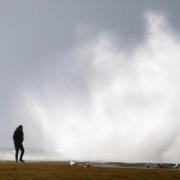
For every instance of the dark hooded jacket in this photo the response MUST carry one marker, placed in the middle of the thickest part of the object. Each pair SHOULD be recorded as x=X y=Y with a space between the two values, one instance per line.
x=18 y=135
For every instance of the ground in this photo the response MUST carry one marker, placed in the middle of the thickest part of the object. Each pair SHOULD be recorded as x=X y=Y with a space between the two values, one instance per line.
x=56 y=171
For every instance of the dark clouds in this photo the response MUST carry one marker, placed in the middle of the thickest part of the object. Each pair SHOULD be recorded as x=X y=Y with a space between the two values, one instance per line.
x=31 y=29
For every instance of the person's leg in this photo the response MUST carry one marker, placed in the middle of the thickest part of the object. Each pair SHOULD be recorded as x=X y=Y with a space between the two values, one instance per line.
x=17 y=152
x=22 y=153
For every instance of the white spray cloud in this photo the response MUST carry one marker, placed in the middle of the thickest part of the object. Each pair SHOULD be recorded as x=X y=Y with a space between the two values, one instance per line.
x=128 y=106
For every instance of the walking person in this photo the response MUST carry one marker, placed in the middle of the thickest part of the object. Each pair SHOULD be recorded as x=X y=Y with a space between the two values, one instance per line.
x=18 y=138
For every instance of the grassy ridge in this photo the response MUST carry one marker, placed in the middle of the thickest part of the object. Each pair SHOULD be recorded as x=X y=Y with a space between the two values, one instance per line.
x=56 y=171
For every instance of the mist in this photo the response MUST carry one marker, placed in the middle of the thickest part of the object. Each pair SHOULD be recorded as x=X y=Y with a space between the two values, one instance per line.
x=93 y=90
x=109 y=104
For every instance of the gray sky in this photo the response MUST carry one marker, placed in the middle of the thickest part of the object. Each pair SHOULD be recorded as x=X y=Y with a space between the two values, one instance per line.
x=61 y=59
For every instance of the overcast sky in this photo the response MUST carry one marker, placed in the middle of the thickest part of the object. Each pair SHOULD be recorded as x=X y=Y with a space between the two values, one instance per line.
x=85 y=76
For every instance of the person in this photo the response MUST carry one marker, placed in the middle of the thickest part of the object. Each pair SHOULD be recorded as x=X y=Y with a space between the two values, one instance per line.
x=18 y=137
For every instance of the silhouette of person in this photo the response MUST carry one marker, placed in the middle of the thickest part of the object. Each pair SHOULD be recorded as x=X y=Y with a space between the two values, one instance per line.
x=18 y=137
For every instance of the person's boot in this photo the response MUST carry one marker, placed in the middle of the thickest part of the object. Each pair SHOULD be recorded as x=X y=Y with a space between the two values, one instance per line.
x=21 y=160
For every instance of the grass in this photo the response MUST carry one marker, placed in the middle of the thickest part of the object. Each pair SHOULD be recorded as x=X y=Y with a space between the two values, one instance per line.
x=57 y=171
